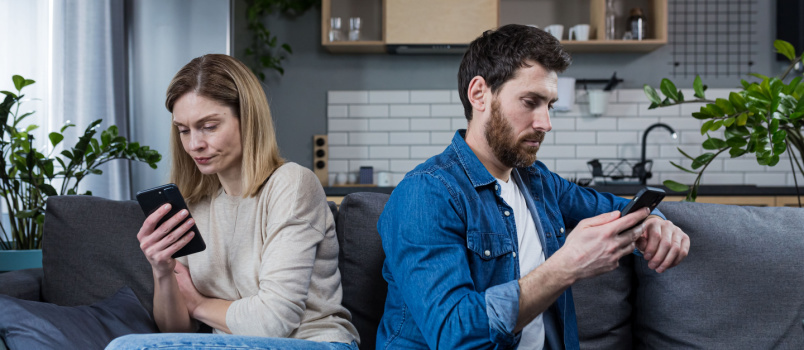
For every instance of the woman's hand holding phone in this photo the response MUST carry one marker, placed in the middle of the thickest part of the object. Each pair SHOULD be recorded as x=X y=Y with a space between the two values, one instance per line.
x=159 y=243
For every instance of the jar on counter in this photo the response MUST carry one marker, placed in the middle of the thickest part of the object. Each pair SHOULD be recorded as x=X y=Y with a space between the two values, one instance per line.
x=636 y=24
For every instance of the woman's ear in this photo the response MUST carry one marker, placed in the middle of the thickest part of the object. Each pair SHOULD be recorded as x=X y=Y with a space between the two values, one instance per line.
x=477 y=93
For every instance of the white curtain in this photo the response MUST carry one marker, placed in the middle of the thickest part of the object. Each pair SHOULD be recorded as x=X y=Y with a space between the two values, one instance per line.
x=88 y=80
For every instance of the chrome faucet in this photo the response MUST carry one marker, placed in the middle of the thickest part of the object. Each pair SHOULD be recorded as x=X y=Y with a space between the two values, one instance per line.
x=640 y=168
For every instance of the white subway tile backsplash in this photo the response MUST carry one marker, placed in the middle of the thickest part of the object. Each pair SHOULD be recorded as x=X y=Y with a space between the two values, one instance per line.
x=368 y=111
x=792 y=182
x=441 y=138
x=419 y=110
x=431 y=124
x=395 y=130
x=456 y=98
x=616 y=137
x=345 y=97
x=378 y=165
x=431 y=96
x=338 y=138
x=425 y=151
x=404 y=166
x=459 y=123
x=368 y=138
x=337 y=111
x=389 y=152
x=389 y=125
x=590 y=152
x=348 y=152
x=389 y=96
x=410 y=138
x=444 y=110
x=347 y=125
x=670 y=111
x=556 y=152
x=596 y=123
x=574 y=137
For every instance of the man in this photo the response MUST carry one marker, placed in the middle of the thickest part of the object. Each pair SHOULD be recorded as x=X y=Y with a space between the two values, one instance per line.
x=478 y=253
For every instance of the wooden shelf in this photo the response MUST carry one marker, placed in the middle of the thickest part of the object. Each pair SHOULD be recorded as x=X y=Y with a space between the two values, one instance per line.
x=373 y=46
x=613 y=45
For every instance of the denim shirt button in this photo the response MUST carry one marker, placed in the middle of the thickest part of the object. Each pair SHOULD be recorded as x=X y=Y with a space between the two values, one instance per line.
x=496 y=187
x=561 y=230
x=507 y=213
x=514 y=254
x=488 y=253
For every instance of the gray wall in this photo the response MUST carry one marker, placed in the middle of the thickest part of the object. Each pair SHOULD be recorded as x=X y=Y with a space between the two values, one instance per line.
x=298 y=99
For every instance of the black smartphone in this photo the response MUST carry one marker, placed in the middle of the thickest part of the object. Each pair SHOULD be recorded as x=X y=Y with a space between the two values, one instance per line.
x=153 y=198
x=648 y=197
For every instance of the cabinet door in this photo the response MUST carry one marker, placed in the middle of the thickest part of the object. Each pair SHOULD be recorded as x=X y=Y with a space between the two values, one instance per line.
x=438 y=21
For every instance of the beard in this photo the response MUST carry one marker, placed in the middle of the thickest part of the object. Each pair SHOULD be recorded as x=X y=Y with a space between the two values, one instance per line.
x=509 y=150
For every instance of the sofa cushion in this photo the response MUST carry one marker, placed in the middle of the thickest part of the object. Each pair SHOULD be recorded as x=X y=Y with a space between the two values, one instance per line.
x=739 y=288
x=603 y=305
x=26 y=324
x=90 y=250
x=361 y=259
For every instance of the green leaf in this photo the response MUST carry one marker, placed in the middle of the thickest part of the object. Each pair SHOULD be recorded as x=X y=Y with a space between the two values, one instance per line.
x=785 y=49
x=714 y=110
x=682 y=168
x=716 y=125
x=725 y=106
x=714 y=143
x=728 y=121
x=737 y=101
x=736 y=141
x=760 y=76
x=736 y=152
x=742 y=119
x=9 y=93
x=31 y=127
x=697 y=85
x=699 y=115
x=702 y=159
x=65 y=127
x=24 y=214
x=652 y=95
x=744 y=83
x=773 y=160
x=27 y=82
x=48 y=190
x=779 y=148
x=675 y=186
x=706 y=125
x=18 y=82
x=287 y=48
x=55 y=138
x=685 y=153
x=669 y=89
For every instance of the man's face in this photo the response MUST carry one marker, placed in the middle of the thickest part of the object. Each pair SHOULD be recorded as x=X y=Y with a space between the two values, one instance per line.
x=520 y=116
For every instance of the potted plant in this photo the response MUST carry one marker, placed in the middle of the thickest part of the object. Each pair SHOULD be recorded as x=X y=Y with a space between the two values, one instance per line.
x=29 y=175
x=764 y=118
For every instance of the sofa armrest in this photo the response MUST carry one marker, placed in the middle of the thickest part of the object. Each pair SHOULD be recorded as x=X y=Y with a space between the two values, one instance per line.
x=22 y=284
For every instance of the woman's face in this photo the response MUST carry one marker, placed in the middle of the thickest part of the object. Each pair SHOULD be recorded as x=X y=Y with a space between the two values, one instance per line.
x=210 y=134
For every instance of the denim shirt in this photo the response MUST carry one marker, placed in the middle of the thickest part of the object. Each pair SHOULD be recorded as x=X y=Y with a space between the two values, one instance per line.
x=452 y=253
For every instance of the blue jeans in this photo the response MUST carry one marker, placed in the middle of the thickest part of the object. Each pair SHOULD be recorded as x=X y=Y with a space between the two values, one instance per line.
x=217 y=341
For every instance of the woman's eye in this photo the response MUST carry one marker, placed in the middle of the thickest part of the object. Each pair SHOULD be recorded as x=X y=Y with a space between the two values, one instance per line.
x=184 y=131
x=210 y=127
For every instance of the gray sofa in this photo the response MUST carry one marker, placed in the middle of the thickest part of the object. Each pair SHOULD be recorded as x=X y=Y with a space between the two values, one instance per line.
x=742 y=286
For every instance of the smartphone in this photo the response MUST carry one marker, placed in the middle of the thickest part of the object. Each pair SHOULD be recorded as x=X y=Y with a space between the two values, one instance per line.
x=154 y=198
x=648 y=197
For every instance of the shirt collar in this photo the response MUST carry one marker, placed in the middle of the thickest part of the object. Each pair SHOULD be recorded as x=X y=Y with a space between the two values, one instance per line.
x=474 y=168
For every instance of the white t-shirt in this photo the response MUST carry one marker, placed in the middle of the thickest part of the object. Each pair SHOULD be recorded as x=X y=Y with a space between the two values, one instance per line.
x=530 y=254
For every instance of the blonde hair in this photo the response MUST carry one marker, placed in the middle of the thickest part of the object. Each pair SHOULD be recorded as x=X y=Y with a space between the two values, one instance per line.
x=228 y=81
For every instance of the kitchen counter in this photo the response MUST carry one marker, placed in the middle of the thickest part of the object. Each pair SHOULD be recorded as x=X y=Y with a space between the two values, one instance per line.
x=622 y=190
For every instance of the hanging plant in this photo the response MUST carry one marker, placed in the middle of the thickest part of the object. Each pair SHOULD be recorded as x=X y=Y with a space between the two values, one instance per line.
x=265 y=51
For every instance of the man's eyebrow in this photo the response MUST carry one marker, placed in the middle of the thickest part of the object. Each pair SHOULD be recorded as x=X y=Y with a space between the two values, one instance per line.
x=200 y=121
x=533 y=94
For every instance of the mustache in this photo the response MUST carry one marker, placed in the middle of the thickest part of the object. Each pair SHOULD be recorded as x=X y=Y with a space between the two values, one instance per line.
x=534 y=136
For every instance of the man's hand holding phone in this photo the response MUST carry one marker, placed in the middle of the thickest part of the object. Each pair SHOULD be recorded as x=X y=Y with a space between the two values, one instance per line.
x=161 y=242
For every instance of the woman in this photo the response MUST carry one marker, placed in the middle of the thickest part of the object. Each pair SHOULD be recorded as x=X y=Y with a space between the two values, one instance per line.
x=269 y=274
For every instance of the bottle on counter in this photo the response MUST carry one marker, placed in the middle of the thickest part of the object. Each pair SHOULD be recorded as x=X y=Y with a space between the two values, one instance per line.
x=636 y=24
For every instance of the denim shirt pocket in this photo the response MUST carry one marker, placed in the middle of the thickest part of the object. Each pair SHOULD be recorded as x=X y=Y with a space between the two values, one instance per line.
x=489 y=245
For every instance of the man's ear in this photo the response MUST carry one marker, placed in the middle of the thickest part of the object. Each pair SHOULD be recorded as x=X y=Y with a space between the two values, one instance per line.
x=477 y=93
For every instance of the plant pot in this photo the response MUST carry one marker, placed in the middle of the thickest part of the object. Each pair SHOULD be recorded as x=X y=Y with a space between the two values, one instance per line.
x=11 y=260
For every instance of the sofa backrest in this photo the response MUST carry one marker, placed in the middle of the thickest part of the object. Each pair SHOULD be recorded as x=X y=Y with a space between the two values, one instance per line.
x=360 y=264
x=739 y=288
x=90 y=250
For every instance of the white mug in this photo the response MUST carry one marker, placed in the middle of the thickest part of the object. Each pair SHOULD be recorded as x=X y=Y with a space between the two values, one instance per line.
x=384 y=179
x=341 y=178
x=555 y=30
x=581 y=32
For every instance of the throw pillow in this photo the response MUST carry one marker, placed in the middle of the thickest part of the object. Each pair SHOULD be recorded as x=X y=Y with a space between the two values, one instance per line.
x=26 y=324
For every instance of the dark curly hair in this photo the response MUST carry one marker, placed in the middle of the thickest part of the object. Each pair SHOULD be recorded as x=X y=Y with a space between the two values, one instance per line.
x=497 y=54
